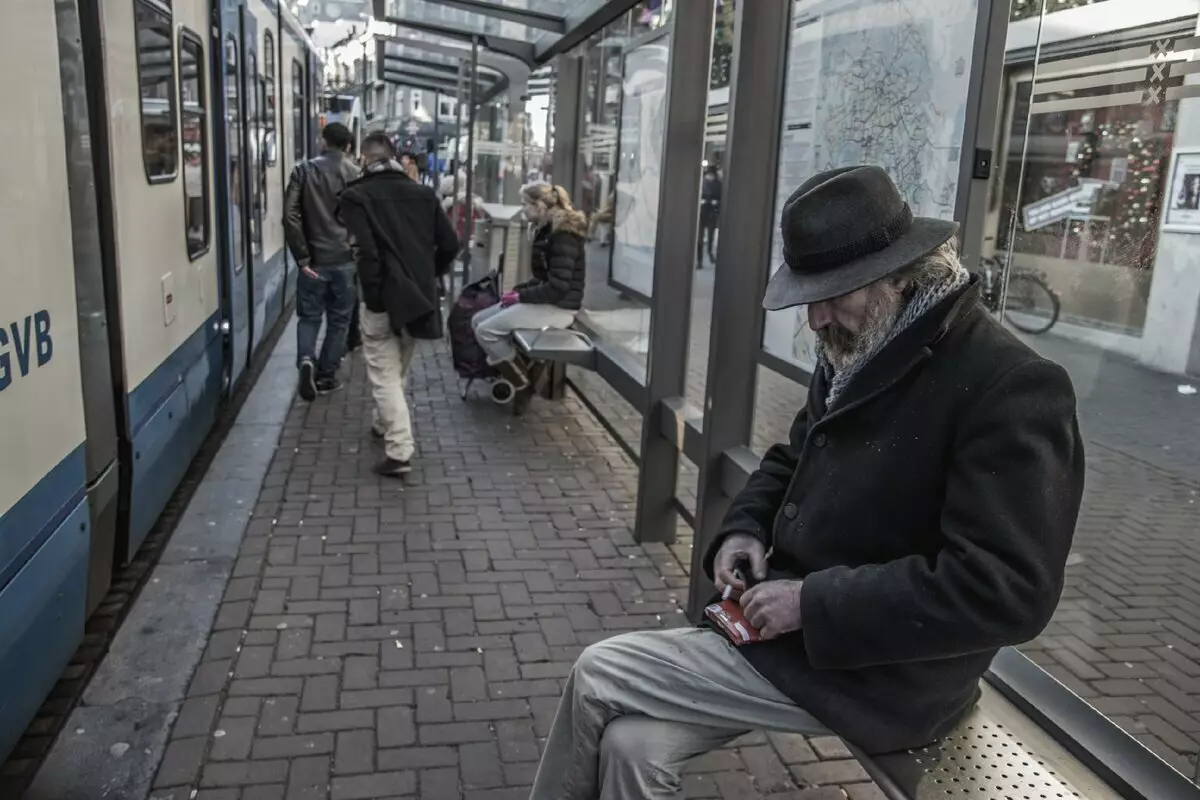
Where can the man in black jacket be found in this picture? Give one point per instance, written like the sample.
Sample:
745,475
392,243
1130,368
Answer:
403,244
918,519
319,243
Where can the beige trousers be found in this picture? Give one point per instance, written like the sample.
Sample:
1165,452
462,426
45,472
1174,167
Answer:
639,705
388,358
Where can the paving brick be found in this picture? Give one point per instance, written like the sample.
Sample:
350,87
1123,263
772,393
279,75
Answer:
196,716
181,762
274,791
355,752
232,739
823,773
395,727
480,766
243,773
312,744
335,720
468,684
770,775
369,787
278,716
376,698
308,778
454,733
320,693
830,747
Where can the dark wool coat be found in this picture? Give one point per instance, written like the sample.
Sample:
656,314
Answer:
403,242
557,262
929,514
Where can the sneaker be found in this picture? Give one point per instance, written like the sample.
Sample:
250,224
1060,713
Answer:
392,468
328,385
308,384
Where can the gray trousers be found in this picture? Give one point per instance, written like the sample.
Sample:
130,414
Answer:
494,326
639,705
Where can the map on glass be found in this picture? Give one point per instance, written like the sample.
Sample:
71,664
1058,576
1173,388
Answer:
880,82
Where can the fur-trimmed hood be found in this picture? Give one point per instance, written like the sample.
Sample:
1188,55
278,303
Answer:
568,219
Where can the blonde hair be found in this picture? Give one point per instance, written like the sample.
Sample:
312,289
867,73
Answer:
551,196
557,202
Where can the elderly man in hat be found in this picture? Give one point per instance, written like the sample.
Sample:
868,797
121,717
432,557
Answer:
918,519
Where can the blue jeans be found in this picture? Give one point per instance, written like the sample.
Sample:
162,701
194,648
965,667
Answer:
331,295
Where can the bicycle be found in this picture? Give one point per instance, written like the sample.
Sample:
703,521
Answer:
1035,303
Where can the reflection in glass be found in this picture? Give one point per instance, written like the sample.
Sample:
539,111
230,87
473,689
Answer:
195,144
254,131
298,149
269,104
233,138
1093,182
156,79
1084,195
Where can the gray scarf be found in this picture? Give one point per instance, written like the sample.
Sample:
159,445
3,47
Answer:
391,165
918,306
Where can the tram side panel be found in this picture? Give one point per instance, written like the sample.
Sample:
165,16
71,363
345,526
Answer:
166,254
43,509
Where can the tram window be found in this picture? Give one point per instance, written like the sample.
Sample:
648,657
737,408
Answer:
237,191
269,96
298,148
156,79
195,142
253,151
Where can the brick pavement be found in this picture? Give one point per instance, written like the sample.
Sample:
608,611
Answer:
383,640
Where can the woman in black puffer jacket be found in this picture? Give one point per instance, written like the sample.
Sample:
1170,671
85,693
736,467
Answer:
554,296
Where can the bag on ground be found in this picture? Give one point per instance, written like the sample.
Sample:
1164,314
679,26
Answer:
470,362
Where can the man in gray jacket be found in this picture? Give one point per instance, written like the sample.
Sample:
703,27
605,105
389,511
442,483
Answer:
321,246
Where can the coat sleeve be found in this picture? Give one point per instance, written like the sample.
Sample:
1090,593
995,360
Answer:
445,240
366,253
1013,491
293,217
753,510
565,251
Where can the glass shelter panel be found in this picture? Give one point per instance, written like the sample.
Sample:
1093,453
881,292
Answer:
1092,257
621,152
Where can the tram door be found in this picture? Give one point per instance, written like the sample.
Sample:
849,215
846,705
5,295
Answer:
252,130
231,184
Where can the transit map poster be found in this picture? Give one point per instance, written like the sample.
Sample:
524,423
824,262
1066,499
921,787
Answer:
880,82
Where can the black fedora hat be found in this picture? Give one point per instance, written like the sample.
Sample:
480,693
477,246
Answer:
845,229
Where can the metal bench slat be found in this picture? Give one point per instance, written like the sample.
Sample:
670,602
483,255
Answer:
995,752
552,344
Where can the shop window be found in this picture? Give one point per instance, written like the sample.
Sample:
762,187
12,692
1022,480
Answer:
156,80
193,116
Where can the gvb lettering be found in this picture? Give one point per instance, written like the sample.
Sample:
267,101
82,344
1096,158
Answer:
25,345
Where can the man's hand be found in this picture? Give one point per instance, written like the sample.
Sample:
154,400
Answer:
309,272
735,547
773,607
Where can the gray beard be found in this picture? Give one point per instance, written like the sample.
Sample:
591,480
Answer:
844,348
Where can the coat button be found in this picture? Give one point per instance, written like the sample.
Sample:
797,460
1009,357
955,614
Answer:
790,511
819,440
